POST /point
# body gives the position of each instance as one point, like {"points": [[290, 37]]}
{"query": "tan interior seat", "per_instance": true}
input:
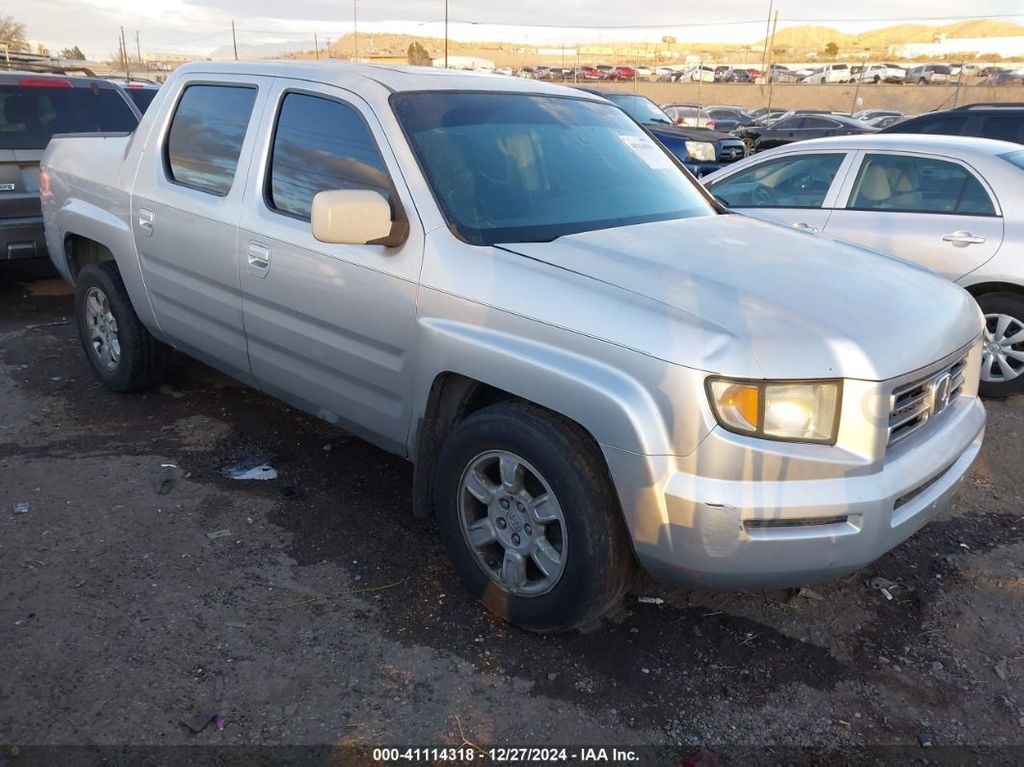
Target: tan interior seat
{"points": [[875, 191]]}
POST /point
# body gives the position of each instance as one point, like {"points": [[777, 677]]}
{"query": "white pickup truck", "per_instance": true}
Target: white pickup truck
{"points": [[591, 363]]}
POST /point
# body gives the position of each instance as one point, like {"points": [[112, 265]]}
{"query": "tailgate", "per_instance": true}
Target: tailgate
{"points": [[19, 183]]}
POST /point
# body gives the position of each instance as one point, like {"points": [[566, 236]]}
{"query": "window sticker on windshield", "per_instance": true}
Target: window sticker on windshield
{"points": [[648, 151]]}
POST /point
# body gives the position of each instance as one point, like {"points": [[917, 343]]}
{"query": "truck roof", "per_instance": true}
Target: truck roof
{"points": [[398, 79]]}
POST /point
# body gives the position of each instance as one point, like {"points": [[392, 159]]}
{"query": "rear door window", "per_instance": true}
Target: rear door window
{"points": [[206, 135], [919, 185], [800, 181], [31, 113]]}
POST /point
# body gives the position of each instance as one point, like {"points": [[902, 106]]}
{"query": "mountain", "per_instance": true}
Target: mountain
{"points": [[808, 38], [262, 50]]}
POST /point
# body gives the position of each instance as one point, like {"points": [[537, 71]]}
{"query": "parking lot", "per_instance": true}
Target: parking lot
{"points": [[329, 614]]}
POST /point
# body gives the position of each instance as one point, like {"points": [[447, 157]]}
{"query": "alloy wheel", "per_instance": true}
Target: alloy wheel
{"points": [[102, 328], [1003, 351], [513, 523]]}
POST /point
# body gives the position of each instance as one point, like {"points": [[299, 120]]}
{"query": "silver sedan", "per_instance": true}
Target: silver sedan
{"points": [[950, 203]]}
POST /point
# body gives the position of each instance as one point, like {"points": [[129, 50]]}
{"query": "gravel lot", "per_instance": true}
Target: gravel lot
{"points": [[329, 615]]}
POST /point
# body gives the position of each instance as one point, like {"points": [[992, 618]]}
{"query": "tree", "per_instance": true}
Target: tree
{"points": [[74, 53], [42, 50], [418, 55], [12, 34], [831, 50]]}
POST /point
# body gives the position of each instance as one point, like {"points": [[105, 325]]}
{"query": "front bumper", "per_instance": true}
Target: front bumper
{"points": [[716, 533], [22, 238]]}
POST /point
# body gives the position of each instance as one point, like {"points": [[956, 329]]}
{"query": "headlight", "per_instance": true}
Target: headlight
{"points": [[797, 411], [701, 150]]}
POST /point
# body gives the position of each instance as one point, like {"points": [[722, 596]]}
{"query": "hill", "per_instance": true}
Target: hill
{"points": [[803, 39]]}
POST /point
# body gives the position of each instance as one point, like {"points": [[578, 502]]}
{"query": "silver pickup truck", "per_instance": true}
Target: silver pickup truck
{"points": [[592, 365]]}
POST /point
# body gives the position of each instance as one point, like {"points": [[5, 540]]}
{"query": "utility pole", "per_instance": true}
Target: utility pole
{"points": [[138, 47], [127, 64], [445, 34], [234, 40], [328, 50], [771, 79], [316, 47], [767, 35], [355, 29]]}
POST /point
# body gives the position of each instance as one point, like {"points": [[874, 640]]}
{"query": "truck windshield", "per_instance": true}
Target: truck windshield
{"points": [[518, 167], [30, 115]]}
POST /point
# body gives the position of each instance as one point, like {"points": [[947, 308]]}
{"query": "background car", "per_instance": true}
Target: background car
{"points": [[700, 150], [622, 73], [886, 120], [829, 73], [689, 116], [729, 118], [880, 73], [953, 204], [799, 127], [34, 106], [698, 73], [587, 72], [738, 76], [928, 74], [781, 74], [867, 115], [1004, 78], [996, 120]]}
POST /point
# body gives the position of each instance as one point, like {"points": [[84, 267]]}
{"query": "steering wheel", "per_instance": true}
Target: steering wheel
{"points": [[762, 195]]}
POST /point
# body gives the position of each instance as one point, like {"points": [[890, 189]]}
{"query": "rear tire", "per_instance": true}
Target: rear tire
{"points": [[1002, 367], [542, 576], [124, 355]]}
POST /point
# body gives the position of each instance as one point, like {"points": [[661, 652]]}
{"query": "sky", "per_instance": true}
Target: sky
{"points": [[199, 26]]}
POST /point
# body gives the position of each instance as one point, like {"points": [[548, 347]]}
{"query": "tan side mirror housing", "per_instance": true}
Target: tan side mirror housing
{"points": [[356, 217]]}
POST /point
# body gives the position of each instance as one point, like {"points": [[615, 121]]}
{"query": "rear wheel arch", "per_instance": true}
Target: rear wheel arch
{"points": [[987, 288], [81, 251]]}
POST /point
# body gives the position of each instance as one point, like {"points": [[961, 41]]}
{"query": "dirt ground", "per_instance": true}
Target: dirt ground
{"points": [[329, 615]]}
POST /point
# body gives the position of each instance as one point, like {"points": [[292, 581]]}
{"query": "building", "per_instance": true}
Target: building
{"points": [[1006, 47]]}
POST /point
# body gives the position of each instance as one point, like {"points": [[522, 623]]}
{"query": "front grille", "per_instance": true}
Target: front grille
{"points": [[731, 153], [911, 405]]}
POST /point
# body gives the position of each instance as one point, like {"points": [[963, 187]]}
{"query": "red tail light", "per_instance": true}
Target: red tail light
{"points": [[44, 82], [711, 124]]}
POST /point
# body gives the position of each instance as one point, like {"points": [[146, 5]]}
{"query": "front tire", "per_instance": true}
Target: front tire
{"points": [[530, 518], [1002, 363], [124, 355]]}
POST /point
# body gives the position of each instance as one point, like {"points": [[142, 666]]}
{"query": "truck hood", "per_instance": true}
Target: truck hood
{"points": [[735, 296]]}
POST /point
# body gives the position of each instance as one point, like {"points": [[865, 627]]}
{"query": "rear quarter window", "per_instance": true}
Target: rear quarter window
{"points": [[944, 126], [31, 114], [206, 135], [1008, 127]]}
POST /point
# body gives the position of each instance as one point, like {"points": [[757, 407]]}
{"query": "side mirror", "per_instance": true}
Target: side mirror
{"points": [[356, 217]]}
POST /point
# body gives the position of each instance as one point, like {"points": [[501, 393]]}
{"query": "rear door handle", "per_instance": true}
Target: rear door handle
{"points": [[146, 219], [962, 239], [803, 227], [259, 259]]}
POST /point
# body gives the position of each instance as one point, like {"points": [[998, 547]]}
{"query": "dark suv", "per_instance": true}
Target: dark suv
{"points": [[702, 151], [1004, 121], [33, 107]]}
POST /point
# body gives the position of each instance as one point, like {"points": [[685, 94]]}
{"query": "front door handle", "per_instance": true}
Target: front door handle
{"points": [[804, 227], [146, 219], [259, 259], [961, 239]]}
